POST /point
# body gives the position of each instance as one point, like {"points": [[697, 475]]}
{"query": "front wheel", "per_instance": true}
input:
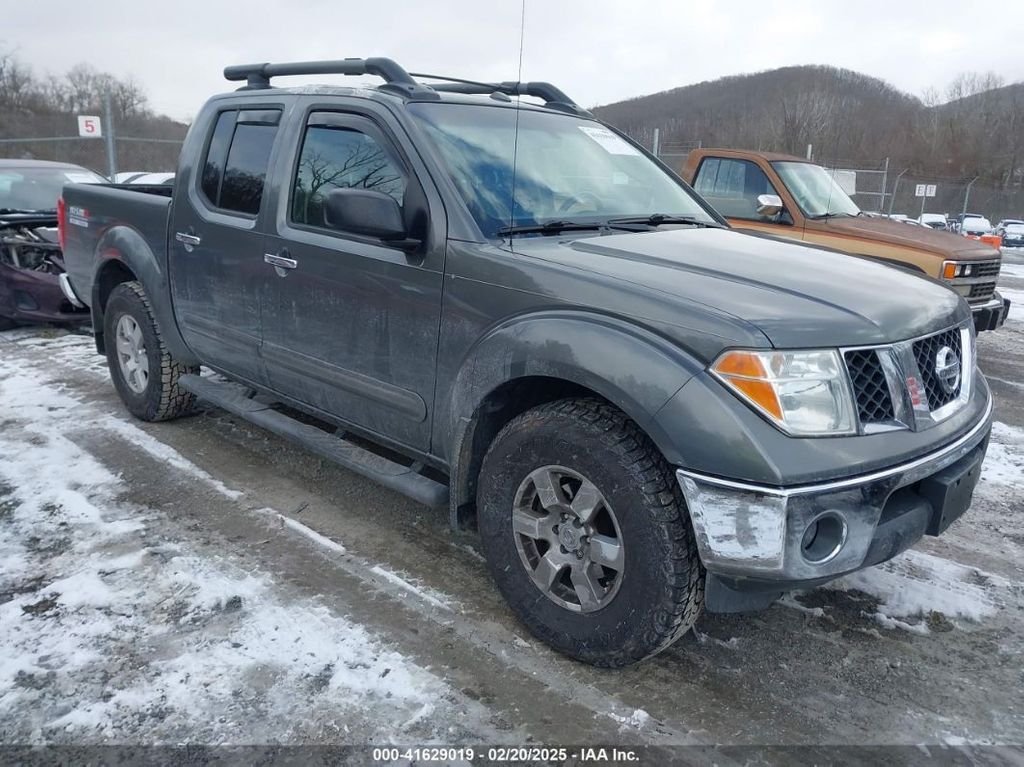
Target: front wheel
{"points": [[586, 533], [144, 373]]}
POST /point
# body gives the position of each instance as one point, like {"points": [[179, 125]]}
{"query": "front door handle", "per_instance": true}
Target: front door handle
{"points": [[281, 262], [188, 240]]}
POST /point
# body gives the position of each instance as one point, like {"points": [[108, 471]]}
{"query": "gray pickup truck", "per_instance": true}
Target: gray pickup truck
{"points": [[504, 307]]}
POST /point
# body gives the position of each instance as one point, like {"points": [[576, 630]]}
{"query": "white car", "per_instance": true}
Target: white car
{"points": [[975, 226], [143, 177], [934, 220]]}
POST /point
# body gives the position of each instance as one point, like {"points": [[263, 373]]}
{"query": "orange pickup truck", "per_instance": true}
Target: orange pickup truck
{"points": [[789, 197]]}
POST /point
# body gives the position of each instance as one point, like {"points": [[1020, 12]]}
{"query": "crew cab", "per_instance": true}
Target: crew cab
{"points": [[481, 297], [790, 197]]}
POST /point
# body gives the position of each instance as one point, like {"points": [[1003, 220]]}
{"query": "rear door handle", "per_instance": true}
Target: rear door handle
{"points": [[188, 240], [280, 261]]}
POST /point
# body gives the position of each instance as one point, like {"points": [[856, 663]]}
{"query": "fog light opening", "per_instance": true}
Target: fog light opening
{"points": [[823, 538]]}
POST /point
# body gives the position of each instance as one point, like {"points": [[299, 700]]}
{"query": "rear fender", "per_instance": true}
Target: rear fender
{"points": [[124, 248]]}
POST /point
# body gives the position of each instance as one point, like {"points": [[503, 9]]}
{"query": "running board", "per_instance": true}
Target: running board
{"points": [[402, 479]]}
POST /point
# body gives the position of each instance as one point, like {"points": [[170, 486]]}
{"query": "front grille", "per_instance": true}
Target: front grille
{"points": [[981, 291], [986, 269], [926, 353], [874, 403]]}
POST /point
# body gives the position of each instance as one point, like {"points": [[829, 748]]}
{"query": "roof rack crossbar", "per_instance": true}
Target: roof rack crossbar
{"points": [[257, 76], [552, 96]]}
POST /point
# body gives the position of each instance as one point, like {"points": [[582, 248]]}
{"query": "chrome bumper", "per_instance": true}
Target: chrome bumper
{"points": [[757, 531]]}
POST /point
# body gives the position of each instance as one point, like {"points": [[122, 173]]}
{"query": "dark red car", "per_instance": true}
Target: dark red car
{"points": [[31, 264]]}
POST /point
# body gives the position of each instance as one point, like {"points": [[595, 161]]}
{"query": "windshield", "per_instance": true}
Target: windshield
{"points": [[1015, 228], [816, 192], [567, 169], [977, 225], [38, 188]]}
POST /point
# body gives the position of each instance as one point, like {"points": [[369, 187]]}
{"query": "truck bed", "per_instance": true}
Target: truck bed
{"points": [[100, 216]]}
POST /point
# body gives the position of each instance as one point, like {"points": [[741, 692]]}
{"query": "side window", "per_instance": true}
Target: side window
{"points": [[216, 154], [732, 186], [339, 157], [237, 159]]}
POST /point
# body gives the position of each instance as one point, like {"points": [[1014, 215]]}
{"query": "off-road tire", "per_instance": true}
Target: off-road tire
{"points": [[662, 589], [163, 397]]}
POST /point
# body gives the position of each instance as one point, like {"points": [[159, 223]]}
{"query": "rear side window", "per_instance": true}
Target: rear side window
{"points": [[237, 159]]}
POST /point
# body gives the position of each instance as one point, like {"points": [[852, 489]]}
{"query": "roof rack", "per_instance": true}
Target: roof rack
{"points": [[400, 82], [396, 79], [552, 96]]}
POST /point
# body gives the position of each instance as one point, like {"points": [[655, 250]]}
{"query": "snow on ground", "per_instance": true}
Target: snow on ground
{"points": [[108, 624], [915, 585], [1016, 303], [1015, 271]]}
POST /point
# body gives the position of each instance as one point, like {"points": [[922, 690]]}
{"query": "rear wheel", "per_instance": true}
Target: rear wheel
{"points": [[586, 533], [144, 373]]}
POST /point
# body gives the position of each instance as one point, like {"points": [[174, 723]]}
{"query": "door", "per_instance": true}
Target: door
{"points": [[732, 186], [216, 241], [350, 324]]}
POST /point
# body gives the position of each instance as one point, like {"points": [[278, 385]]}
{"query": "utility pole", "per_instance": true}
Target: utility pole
{"points": [[967, 194], [108, 133], [895, 188], [655, 144], [885, 179]]}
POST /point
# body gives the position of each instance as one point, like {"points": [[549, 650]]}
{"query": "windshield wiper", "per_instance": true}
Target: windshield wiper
{"points": [[830, 214], [657, 219], [551, 227], [4, 211]]}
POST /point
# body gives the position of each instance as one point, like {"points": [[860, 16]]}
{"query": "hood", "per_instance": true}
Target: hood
{"points": [[936, 241], [797, 296]]}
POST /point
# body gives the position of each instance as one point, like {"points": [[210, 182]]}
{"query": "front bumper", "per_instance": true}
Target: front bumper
{"points": [[991, 314], [752, 537]]}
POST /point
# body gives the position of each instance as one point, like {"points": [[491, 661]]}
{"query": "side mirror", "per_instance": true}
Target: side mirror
{"points": [[364, 211], [769, 205]]}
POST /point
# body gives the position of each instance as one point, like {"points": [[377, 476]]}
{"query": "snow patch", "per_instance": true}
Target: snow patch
{"points": [[1004, 461], [165, 453], [427, 595], [636, 720], [915, 584]]}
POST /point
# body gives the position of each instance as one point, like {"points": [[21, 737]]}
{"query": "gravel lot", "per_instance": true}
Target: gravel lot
{"points": [[203, 581]]}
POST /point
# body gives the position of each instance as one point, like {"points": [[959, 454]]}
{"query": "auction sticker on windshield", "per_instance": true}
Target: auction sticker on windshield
{"points": [[608, 140]]}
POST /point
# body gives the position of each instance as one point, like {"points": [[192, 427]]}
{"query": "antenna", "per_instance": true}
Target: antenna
{"points": [[515, 138]]}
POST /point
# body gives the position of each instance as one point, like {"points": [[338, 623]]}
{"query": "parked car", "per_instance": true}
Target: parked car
{"points": [[31, 266], [521, 315], [979, 228], [934, 220], [793, 198], [1011, 232]]}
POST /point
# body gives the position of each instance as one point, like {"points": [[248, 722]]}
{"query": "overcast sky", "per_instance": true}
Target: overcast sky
{"points": [[598, 51]]}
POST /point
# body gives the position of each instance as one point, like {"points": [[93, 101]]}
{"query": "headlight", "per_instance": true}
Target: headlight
{"points": [[953, 269], [804, 393]]}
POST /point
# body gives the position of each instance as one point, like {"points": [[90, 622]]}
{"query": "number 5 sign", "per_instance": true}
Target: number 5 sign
{"points": [[89, 126]]}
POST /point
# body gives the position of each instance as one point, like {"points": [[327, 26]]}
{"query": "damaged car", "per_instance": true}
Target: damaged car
{"points": [[31, 264]]}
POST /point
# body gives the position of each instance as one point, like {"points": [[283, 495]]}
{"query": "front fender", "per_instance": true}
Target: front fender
{"points": [[124, 246], [633, 368]]}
